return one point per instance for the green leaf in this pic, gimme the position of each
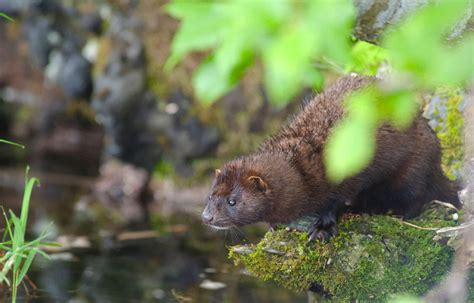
(418, 44)
(361, 106)
(366, 58)
(288, 64)
(208, 83)
(29, 183)
(332, 21)
(232, 58)
(455, 65)
(8, 226)
(26, 265)
(3, 15)
(349, 149)
(202, 27)
(11, 143)
(399, 108)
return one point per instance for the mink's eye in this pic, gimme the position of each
(231, 202)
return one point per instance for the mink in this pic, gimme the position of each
(285, 178)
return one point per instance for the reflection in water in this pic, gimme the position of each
(159, 270)
(169, 267)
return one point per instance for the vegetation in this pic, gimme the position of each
(295, 41)
(373, 258)
(447, 113)
(16, 253)
(5, 16)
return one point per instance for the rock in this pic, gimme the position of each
(44, 6)
(444, 111)
(124, 105)
(75, 77)
(18, 7)
(124, 187)
(190, 141)
(212, 285)
(380, 251)
(91, 22)
(190, 138)
(37, 31)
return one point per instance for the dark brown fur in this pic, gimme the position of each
(289, 177)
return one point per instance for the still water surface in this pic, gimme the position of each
(184, 262)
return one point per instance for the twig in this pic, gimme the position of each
(445, 204)
(416, 226)
(461, 228)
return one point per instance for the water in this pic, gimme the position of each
(179, 264)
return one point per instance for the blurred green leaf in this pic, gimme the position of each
(208, 82)
(455, 65)
(5, 16)
(201, 28)
(349, 149)
(362, 106)
(232, 59)
(11, 143)
(399, 108)
(285, 34)
(288, 37)
(366, 58)
(331, 21)
(287, 64)
(419, 46)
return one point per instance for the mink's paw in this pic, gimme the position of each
(324, 227)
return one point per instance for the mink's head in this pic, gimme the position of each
(239, 196)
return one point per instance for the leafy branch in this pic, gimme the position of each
(292, 38)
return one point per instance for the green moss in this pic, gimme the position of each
(163, 169)
(371, 259)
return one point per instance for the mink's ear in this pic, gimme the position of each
(258, 183)
(218, 172)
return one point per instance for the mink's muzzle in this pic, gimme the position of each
(207, 215)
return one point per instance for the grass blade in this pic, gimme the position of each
(29, 183)
(11, 20)
(26, 266)
(6, 141)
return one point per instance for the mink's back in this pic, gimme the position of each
(308, 130)
(405, 166)
(302, 140)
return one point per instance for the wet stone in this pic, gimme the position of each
(37, 31)
(212, 285)
(75, 77)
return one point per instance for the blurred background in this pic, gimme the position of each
(124, 154)
(125, 150)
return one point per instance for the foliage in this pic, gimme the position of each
(17, 254)
(366, 58)
(5, 16)
(445, 113)
(11, 143)
(291, 38)
(280, 33)
(372, 258)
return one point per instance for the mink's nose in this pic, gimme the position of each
(207, 216)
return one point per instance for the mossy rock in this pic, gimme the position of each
(371, 259)
(445, 113)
